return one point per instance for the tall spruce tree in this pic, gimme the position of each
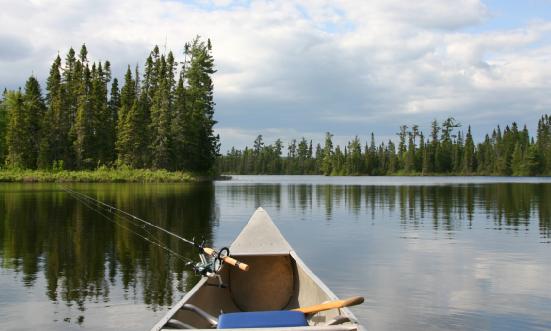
(35, 109)
(115, 102)
(127, 98)
(55, 125)
(18, 132)
(83, 129)
(160, 126)
(202, 144)
(3, 119)
(469, 161)
(103, 116)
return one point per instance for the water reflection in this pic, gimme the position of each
(448, 208)
(83, 255)
(490, 260)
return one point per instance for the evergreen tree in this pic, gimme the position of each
(203, 145)
(517, 162)
(179, 125)
(123, 141)
(327, 155)
(56, 124)
(469, 163)
(115, 101)
(354, 157)
(35, 109)
(3, 120)
(160, 126)
(104, 148)
(84, 123)
(20, 149)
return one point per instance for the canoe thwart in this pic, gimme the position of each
(213, 321)
(331, 305)
(227, 259)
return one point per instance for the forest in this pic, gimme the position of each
(446, 150)
(161, 119)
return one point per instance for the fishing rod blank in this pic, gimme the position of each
(222, 255)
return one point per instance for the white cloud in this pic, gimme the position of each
(308, 66)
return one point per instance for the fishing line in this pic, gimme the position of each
(88, 202)
(133, 222)
(113, 208)
(106, 216)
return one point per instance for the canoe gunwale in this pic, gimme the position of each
(172, 311)
(323, 287)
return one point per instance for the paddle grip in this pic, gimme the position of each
(353, 301)
(229, 260)
(331, 305)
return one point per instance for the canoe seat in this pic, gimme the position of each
(262, 319)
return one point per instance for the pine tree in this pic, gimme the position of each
(409, 156)
(55, 124)
(127, 99)
(354, 157)
(18, 132)
(132, 137)
(115, 101)
(104, 148)
(178, 126)
(35, 110)
(469, 164)
(202, 144)
(327, 155)
(517, 161)
(3, 120)
(84, 123)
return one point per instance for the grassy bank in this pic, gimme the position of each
(101, 175)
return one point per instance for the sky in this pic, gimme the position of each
(288, 69)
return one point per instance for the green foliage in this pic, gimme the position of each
(3, 120)
(447, 152)
(161, 123)
(101, 175)
(18, 132)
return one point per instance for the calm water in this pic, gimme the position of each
(427, 253)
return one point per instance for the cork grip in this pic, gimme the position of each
(227, 259)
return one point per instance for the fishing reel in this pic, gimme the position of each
(210, 265)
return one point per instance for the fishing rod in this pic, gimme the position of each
(211, 259)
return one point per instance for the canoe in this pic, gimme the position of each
(277, 280)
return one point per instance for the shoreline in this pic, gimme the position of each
(105, 175)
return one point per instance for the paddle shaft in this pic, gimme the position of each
(331, 305)
(227, 259)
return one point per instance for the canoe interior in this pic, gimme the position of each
(277, 280)
(272, 283)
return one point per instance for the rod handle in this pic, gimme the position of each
(331, 305)
(229, 260)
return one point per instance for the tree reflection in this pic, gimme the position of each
(448, 208)
(82, 254)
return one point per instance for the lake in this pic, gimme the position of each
(428, 253)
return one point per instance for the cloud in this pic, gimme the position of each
(349, 67)
(13, 49)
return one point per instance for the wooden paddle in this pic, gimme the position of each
(227, 259)
(331, 305)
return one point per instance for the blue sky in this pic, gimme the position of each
(289, 69)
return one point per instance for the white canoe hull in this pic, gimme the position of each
(277, 280)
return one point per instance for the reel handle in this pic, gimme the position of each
(229, 260)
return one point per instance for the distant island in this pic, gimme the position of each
(445, 151)
(157, 127)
